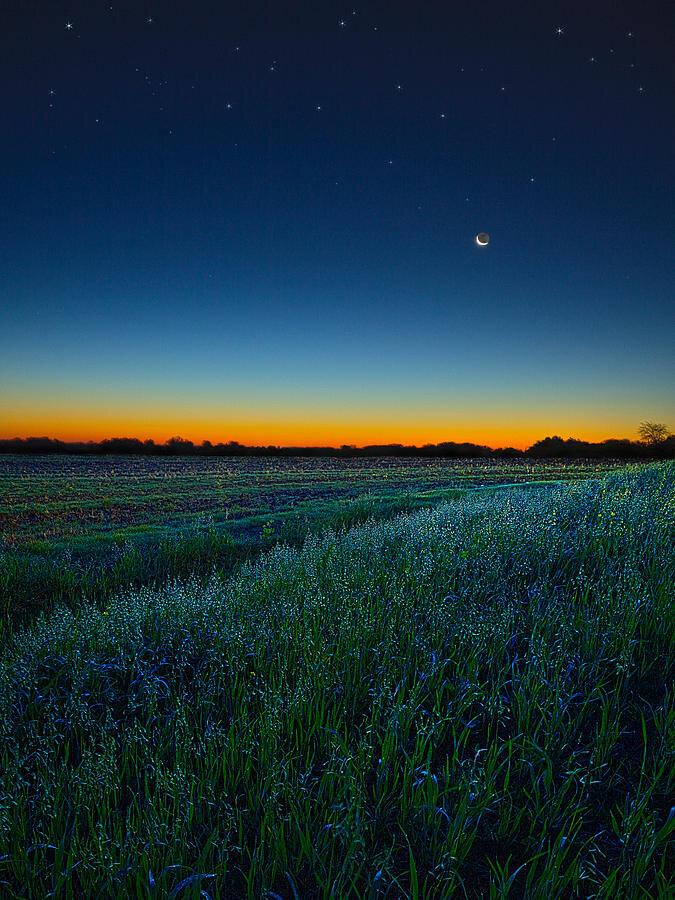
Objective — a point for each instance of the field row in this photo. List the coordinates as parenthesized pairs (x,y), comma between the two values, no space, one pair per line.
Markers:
(87,526)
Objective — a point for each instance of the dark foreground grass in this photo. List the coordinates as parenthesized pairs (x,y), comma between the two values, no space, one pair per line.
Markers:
(471,701)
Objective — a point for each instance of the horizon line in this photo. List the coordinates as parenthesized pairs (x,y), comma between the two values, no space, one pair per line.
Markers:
(176,441)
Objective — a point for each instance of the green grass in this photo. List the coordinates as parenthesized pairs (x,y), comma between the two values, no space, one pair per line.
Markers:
(38,575)
(474,700)
(77,527)
(33,583)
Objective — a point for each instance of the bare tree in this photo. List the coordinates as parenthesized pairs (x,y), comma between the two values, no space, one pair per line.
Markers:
(653,432)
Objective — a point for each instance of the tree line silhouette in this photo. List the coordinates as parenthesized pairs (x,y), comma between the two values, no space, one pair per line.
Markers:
(657,444)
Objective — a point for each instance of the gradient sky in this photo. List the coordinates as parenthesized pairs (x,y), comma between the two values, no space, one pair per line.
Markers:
(256,221)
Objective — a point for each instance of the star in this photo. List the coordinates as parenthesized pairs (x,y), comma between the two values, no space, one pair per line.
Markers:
(399,87)
(559,31)
(531,180)
(630,34)
(228,106)
(592,59)
(641,90)
(150,20)
(51,93)
(318,109)
(442,115)
(69,26)
(342,23)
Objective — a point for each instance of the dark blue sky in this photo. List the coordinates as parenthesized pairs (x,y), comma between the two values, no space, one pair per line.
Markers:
(249,220)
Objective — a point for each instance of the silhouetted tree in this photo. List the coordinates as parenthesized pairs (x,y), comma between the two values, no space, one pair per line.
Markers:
(548,447)
(178,446)
(120,445)
(653,433)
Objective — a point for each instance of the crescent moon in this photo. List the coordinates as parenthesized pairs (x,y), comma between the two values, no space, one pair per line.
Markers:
(482,239)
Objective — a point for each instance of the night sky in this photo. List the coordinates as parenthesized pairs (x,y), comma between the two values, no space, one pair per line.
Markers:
(256,221)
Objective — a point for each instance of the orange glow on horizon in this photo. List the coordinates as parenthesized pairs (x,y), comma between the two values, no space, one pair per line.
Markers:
(297,434)
(258,421)
(318,417)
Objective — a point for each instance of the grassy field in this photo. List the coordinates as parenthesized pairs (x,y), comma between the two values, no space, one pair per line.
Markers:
(473,700)
(74,526)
